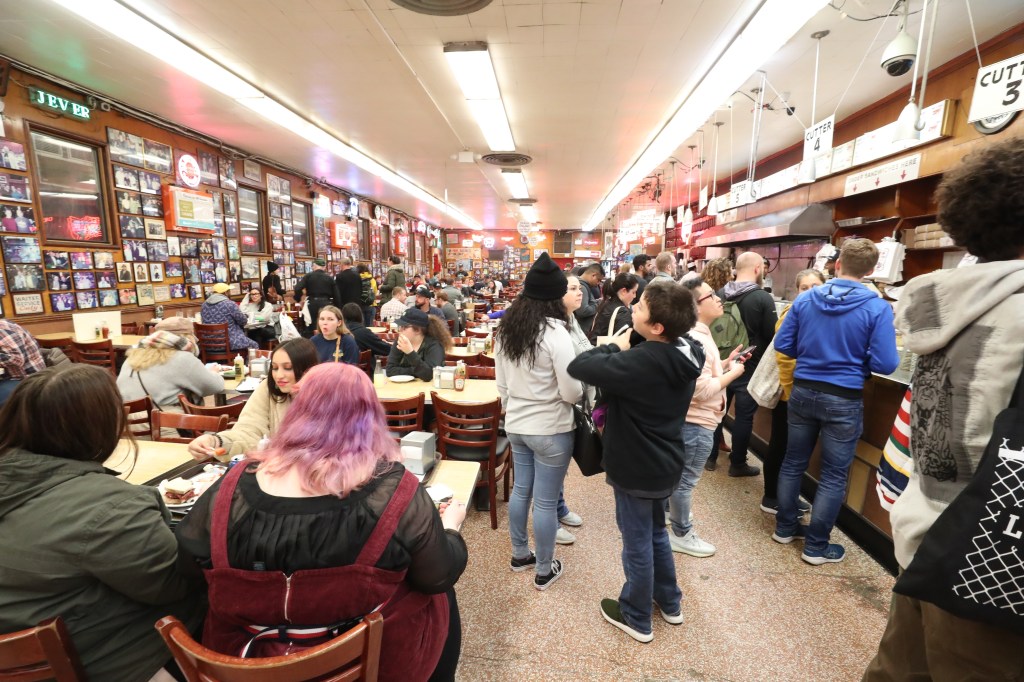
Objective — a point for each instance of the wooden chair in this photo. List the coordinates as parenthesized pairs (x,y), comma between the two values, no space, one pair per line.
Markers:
(387,336)
(44,652)
(469,432)
(231,410)
(195,423)
(64,344)
(98,353)
(483,360)
(480,307)
(451,327)
(451,358)
(460,340)
(404,415)
(142,405)
(130,328)
(366,362)
(478,372)
(479,332)
(213,343)
(354,655)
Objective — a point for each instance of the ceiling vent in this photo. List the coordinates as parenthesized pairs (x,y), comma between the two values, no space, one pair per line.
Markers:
(443,8)
(507,159)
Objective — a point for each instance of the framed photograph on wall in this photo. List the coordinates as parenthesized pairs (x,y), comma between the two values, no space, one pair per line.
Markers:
(81,260)
(132,227)
(103,260)
(26,278)
(128,202)
(155,229)
(126,178)
(134,250)
(62,303)
(177,291)
(209,170)
(56,260)
(145,294)
(124,273)
(158,156)
(12,155)
(85,279)
(141,272)
(106,279)
(21,250)
(230,204)
(227,174)
(108,298)
(58,281)
(156,272)
(157,251)
(153,206)
(127,296)
(195,291)
(15,188)
(87,299)
(161,293)
(173,246)
(173,269)
(17,218)
(125,147)
(149,183)
(251,171)
(28,304)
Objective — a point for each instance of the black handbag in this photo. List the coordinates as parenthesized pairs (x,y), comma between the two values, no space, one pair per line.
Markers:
(587,449)
(971,561)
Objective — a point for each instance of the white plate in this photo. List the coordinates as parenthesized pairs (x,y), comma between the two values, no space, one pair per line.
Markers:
(200,482)
(172,505)
(402,378)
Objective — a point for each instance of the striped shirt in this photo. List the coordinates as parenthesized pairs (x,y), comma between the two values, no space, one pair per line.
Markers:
(19,352)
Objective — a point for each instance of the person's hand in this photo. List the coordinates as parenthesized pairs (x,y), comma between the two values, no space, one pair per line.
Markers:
(737,369)
(203,448)
(734,353)
(622,338)
(452,514)
(404,344)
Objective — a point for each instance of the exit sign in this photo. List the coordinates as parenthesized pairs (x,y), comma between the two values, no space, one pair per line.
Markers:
(58,104)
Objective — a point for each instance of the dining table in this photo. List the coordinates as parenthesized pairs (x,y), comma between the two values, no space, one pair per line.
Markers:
(476,391)
(118,341)
(465,352)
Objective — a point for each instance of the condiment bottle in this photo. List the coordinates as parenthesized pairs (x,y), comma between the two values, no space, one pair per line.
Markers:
(99,332)
(460,376)
(105,330)
(239,366)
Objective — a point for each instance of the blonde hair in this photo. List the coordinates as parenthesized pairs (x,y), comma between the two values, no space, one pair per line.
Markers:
(342,328)
(144,358)
(858,257)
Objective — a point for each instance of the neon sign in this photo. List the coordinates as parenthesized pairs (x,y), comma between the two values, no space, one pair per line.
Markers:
(61,105)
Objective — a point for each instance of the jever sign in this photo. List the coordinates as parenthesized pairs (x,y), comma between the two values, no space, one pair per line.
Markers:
(60,105)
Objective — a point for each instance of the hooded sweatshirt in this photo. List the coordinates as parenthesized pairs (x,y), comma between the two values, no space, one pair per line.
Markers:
(643,433)
(77,542)
(839,333)
(757,308)
(967,326)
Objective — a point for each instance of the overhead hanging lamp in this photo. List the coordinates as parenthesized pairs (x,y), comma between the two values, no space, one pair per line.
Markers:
(713,201)
(687,218)
(909,124)
(808,173)
(670,220)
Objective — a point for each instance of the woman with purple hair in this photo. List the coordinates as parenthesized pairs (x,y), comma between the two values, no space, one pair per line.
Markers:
(323,527)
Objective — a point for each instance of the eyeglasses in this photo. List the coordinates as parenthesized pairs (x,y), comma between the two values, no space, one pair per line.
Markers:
(704,298)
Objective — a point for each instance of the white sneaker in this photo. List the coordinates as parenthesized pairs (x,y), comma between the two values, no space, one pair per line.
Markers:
(564,537)
(691,544)
(571,519)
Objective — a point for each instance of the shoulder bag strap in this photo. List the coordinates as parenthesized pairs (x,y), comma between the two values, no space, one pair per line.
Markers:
(388,521)
(611,322)
(138,375)
(222,514)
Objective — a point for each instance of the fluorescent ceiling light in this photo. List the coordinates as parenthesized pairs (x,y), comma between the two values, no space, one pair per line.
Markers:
(474,72)
(516,183)
(528,212)
(135,29)
(763,35)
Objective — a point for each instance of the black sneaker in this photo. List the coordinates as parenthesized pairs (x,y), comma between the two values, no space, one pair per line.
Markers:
(770,505)
(543,582)
(519,565)
(710,465)
(799,534)
(745,470)
(611,613)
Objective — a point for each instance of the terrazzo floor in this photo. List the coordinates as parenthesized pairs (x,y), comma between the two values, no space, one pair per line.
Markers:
(754,611)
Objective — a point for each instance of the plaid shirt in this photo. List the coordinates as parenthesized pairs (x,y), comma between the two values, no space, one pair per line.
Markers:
(19,352)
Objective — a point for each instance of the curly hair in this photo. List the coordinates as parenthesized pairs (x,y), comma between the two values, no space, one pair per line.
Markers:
(523,325)
(438,328)
(717,273)
(981,205)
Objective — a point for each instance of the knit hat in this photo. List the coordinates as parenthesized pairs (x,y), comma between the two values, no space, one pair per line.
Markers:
(545,281)
(271,266)
(319,261)
(221,288)
(169,341)
(413,317)
(176,325)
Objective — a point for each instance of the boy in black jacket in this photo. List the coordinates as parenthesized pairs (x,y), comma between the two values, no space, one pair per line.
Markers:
(643,445)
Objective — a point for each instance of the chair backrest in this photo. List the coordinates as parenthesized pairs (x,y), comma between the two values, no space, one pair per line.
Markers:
(478,372)
(144,407)
(213,342)
(460,340)
(480,307)
(366,362)
(483,360)
(98,353)
(64,344)
(231,410)
(479,332)
(472,425)
(387,336)
(195,423)
(454,358)
(451,326)
(130,328)
(404,415)
(44,652)
(354,655)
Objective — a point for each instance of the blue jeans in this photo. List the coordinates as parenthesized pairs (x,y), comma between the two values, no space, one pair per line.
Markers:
(540,466)
(646,560)
(839,422)
(697,444)
(563,508)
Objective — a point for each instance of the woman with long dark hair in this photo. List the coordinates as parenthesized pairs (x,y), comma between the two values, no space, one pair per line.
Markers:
(614,313)
(533,350)
(260,315)
(420,347)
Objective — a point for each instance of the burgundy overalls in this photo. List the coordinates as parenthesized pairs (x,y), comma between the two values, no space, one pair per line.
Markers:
(415,624)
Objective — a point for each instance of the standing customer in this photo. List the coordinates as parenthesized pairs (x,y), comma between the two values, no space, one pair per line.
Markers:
(367,293)
(334,342)
(967,326)
(614,311)
(330,524)
(19,357)
(316,289)
(77,542)
(533,352)
(590,278)
(805,281)
(272,283)
(702,418)
(828,391)
(665,266)
(643,446)
(394,277)
(757,311)
(348,283)
(219,309)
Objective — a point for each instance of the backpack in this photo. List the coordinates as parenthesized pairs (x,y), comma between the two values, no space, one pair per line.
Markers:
(728,331)
(366,296)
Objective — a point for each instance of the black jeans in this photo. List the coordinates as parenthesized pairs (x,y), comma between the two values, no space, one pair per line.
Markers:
(261,334)
(776,449)
(449,661)
(742,424)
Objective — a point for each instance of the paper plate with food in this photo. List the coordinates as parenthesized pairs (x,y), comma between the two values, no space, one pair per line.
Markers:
(182,493)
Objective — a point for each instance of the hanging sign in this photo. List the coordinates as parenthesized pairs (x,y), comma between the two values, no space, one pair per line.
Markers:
(703,200)
(188,171)
(892,173)
(998,89)
(58,104)
(524,227)
(818,138)
(322,206)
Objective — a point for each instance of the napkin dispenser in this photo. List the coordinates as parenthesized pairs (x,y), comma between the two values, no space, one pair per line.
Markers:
(419,453)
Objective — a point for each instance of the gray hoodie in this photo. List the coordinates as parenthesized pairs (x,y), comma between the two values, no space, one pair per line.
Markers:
(967,326)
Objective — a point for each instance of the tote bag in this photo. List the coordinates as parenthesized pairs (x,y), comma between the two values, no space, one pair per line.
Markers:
(587,448)
(764,386)
(971,562)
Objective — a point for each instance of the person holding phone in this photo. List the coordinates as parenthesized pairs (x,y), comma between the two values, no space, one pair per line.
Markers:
(614,312)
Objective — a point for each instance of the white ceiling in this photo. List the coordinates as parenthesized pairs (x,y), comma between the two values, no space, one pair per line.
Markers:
(586,83)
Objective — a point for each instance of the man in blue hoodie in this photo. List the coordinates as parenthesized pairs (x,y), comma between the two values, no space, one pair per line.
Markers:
(838,333)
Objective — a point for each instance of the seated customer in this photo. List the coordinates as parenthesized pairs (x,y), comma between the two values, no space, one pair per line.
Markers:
(267,406)
(77,542)
(448,308)
(366,339)
(369,535)
(219,309)
(164,364)
(260,315)
(19,357)
(334,342)
(420,347)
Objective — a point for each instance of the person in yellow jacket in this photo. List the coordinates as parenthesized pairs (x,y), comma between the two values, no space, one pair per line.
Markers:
(805,280)
(368,296)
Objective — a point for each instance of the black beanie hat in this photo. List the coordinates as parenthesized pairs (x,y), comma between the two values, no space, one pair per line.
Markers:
(271,266)
(545,281)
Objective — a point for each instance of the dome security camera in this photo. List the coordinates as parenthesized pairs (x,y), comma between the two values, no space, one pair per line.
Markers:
(899,55)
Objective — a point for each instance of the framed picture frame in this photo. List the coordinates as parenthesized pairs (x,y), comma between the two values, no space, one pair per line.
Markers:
(58,281)
(145,294)
(81,260)
(15,188)
(56,260)
(173,246)
(63,302)
(126,178)
(106,279)
(209,169)
(195,291)
(26,277)
(17,219)
(141,272)
(28,304)
(108,298)
(177,291)
(127,297)
(134,250)
(251,170)
(103,260)
(158,157)
(149,183)
(132,227)
(157,251)
(124,273)
(12,155)
(128,202)
(156,272)
(155,228)
(227,173)
(173,269)
(153,206)
(87,299)
(84,279)
(230,204)
(125,147)
(21,250)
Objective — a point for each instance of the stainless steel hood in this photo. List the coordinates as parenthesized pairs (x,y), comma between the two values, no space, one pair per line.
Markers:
(814,220)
